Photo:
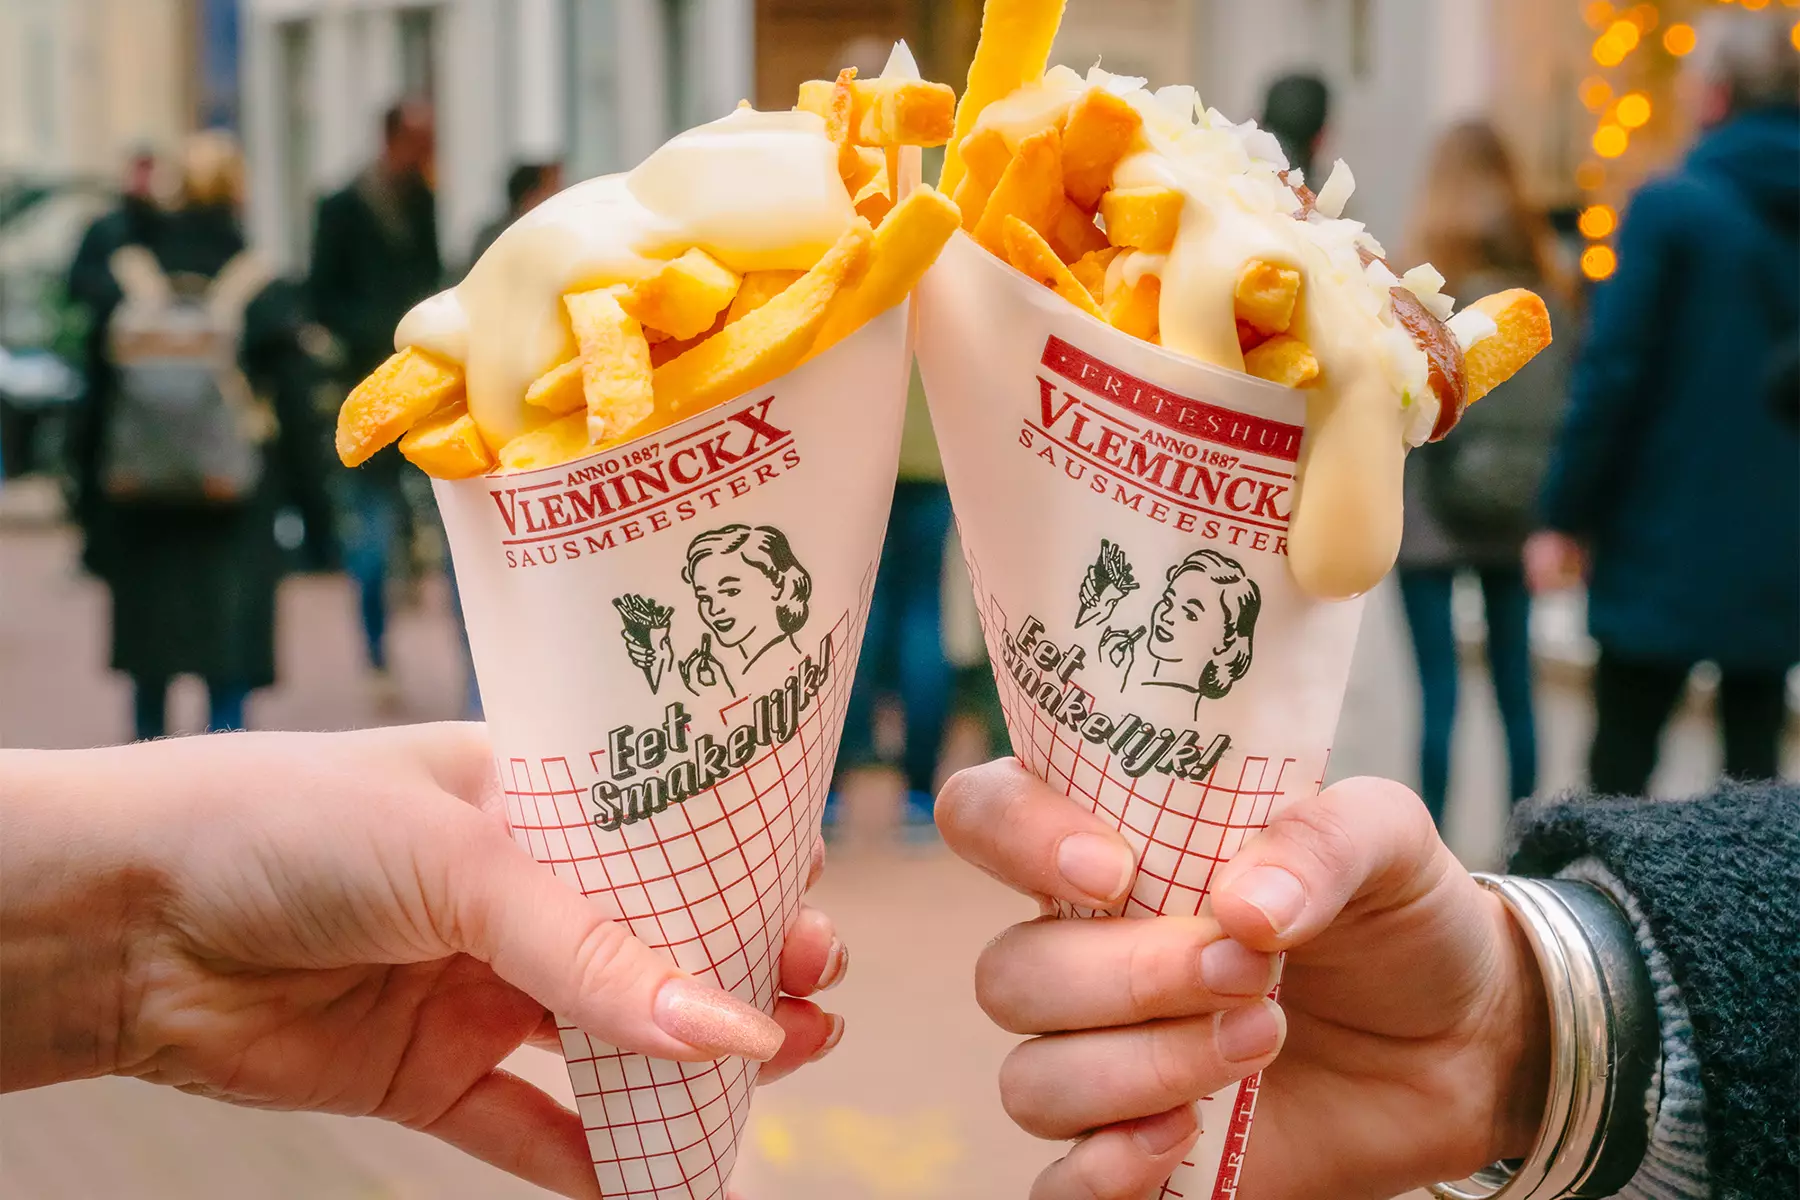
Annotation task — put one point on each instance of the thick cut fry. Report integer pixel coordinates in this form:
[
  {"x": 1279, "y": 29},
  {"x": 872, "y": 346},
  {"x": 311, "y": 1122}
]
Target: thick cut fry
[
  {"x": 400, "y": 393},
  {"x": 1074, "y": 234},
  {"x": 1014, "y": 49},
  {"x": 1100, "y": 129},
  {"x": 1144, "y": 218},
  {"x": 875, "y": 199},
  {"x": 1283, "y": 359},
  {"x": 1524, "y": 330},
  {"x": 1027, "y": 250},
  {"x": 888, "y": 112},
  {"x": 1136, "y": 308},
  {"x": 985, "y": 155},
  {"x": 865, "y": 164},
  {"x": 558, "y": 389},
  {"x": 1266, "y": 295},
  {"x": 1030, "y": 189},
  {"x": 448, "y": 445},
  {"x": 551, "y": 445},
  {"x": 615, "y": 363},
  {"x": 971, "y": 201},
  {"x": 758, "y": 288},
  {"x": 906, "y": 245},
  {"x": 1090, "y": 269},
  {"x": 1249, "y": 336},
  {"x": 685, "y": 296},
  {"x": 770, "y": 341}
]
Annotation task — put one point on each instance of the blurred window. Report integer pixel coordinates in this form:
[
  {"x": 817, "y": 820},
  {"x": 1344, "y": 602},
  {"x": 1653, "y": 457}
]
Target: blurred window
[{"x": 294, "y": 42}]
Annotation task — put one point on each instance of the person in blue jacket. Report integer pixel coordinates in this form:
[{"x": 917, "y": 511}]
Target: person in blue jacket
[{"x": 1675, "y": 485}]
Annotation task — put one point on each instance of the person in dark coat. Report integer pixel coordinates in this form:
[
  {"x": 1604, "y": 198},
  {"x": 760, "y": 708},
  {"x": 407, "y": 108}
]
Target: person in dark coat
[
  {"x": 193, "y": 587},
  {"x": 375, "y": 255},
  {"x": 1675, "y": 473},
  {"x": 1471, "y": 500}
]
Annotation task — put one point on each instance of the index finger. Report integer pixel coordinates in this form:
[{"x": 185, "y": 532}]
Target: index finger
[{"x": 1006, "y": 821}]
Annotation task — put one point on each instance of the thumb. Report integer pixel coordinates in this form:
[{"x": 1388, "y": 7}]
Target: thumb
[
  {"x": 567, "y": 952},
  {"x": 1367, "y": 843}
]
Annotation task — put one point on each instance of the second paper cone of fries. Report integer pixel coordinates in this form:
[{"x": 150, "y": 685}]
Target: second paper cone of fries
[
  {"x": 663, "y": 416},
  {"x": 1124, "y": 514}
]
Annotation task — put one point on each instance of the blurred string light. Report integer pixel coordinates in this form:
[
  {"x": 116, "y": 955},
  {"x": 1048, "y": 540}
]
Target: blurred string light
[
  {"x": 1598, "y": 14},
  {"x": 1680, "y": 40},
  {"x": 1598, "y": 221},
  {"x": 1599, "y": 262},
  {"x": 1611, "y": 141},
  {"x": 1633, "y": 111},
  {"x": 1590, "y": 176},
  {"x": 1596, "y": 93},
  {"x": 1756, "y": 5},
  {"x": 1794, "y": 35}
]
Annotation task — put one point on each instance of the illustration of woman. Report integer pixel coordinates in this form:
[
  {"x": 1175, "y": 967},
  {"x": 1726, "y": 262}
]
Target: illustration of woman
[
  {"x": 751, "y": 593},
  {"x": 1202, "y": 631}
]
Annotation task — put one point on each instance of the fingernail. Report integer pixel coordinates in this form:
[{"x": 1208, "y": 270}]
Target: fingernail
[
  {"x": 1243, "y": 1034},
  {"x": 837, "y": 965},
  {"x": 1161, "y": 1134},
  {"x": 1094, "y": 864},
  {"x": 1275, "y": 893},
  {"x": 1228, "y": 969},
  {"x": 831, "y": 1039},
  {"x": 712, "y": 1021}
]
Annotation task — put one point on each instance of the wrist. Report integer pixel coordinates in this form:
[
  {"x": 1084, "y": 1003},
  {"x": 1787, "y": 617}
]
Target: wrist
[
  {"x": 77, "y": 903},
  {"x": 1521, "y": 1067}
]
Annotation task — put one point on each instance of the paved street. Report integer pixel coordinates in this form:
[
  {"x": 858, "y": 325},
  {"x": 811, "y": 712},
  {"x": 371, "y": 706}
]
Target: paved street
[{"x": 905, "y": 1109}]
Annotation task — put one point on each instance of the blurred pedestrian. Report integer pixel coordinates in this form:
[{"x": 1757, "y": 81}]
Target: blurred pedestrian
[
  {"x": 1297, "y": 110},
  {"x": 527, "y": 186},
  {"x": 1471, "y": 501},
  {"x": 199, "y": 417},
  {"x": 375, "y": 255},
  {"x": 1676, "y": 482}
]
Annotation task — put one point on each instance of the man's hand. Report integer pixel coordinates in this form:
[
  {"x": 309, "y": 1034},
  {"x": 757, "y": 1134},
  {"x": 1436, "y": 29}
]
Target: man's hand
[
  {"x": 1554, "y": 561},
  {"x": 1410, "y": 1031},
  {"x": 339, "y": 923}
]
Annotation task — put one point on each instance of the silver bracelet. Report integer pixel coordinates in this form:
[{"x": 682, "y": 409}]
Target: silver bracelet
[{"x": 1603, "y": 1047}]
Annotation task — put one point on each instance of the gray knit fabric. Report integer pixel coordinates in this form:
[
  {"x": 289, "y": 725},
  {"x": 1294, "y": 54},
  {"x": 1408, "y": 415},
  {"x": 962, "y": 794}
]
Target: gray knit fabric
[{"x": 1674, "y": 1166}]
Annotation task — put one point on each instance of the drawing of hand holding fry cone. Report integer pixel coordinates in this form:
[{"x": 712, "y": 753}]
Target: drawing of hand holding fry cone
[{"x": 646, "y": 635}]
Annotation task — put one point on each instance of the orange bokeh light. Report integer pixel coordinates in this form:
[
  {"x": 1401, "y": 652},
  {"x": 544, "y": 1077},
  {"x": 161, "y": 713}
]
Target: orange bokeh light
[
  {"x": 1590, "y": 176},
  {"x": 1598, "y": 222},
  {"x": 1625, "y": 33},
  {"x": 1599, "y": 262},
  {"x": 1645, "y": 17},
  {"x": 1634, "y": 110},
  {"x": 1794, "y": 36},
  {"x": 1610, "y": 141},
  {"x": 1754, "y": 5},
  {"x": 1596, "y": 93},
  {"x": 1598, "y": 13},
  {"x": 1680, "y": 40}
]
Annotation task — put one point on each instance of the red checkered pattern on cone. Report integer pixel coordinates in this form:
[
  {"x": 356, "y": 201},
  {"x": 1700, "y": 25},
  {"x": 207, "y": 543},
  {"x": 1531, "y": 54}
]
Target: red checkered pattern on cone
[
  {"x": 713, "y": 882},
  {"x": 1182, "y": 832}
]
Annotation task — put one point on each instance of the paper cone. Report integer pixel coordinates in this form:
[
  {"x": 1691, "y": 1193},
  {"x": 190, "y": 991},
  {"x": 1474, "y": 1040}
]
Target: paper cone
[
  {"x": 1124, "y": 514},
  {"x": 682, "y": 614}
]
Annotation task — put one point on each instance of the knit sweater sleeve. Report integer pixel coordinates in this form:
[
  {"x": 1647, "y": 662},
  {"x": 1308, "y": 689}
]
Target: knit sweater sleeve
[{"x": 1712, "y": 886}]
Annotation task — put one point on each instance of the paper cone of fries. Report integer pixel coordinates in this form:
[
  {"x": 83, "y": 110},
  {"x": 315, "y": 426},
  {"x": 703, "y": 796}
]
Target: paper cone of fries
[
  {"x": 1124, "y": 515},
  {"x": 665, "y": 633}
]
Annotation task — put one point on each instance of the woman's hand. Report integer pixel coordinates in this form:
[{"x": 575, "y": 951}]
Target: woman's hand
[
  {"x": 1408, "y": 1047},
  {"x": 340, "y": 923}
]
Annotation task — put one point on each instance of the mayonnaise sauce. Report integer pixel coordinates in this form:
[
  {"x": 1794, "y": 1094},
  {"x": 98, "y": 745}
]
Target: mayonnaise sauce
[
  {"x": 758, "y": 191},
  {"x": 1345, "y": 531}
]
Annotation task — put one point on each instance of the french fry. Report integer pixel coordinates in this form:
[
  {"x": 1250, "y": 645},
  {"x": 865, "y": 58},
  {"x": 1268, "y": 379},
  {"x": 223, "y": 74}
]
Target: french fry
[
  {"x": 1136, "y": 308},
  {"x": 1013, "y": 49},
  {"x": 1100, "y": 130},
  {"x": 558, "y": 389},
  {"x": 615, "y": 363},
  {"x": 865, "y": 164},
  {"x": 876, "y": 198},
  {"x": 985, "y": 155},
  {"x": 448, "y": 445},
  {"x": 1249, "y": 336},
  {"x": 1027, "y": 250},
  {"x": 400, "y": 393},
  {"x": 1030, "y": 189},
  {"x": 1524, "y": 330},
  {"x": 1090, "y": 269},
  {"x": 887, "y": 112},
  {"x": 1144, "y": 218},
  {"x": 971, "y": 201},
  {"x": 1283, "y": 359},
  {"x": 770, "y": 341},
  {"x": 561, "y": 441},
  {"x": 685, "y": 296},
  {"x": 1266, "y": 295},
  {"x": 758, "y": 288},
  {"x": 1073, "y": 234},
  {"x": 905, "y": 246}
]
